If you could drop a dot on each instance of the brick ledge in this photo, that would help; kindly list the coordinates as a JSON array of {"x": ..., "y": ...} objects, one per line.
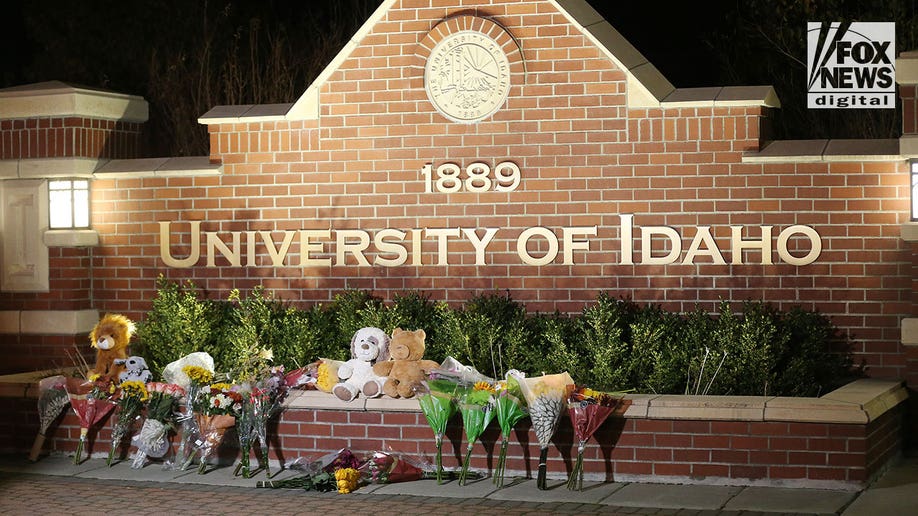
[{"x": 858, "y": 402}]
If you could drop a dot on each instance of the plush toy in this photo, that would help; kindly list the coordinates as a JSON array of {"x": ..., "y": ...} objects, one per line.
[
  {"x": 368, "y": 346},
  {"x": 406, "y": 368},
  {"x": 111, "y": 337},
  {"x": 135, "y": 368}
]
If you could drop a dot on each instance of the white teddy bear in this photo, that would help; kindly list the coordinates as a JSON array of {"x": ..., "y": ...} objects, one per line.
[{"x": 368, "y": 346}]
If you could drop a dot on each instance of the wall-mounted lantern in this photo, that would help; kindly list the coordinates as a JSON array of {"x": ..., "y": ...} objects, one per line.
[{"x": 68, "y": 201}]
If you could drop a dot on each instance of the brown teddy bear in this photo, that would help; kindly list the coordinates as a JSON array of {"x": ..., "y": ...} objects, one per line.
[
  {"x": 111, "y": 337},
  {"x": 406, "y": 368}
]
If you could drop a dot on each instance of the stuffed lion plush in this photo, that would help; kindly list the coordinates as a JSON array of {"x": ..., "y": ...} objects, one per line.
[{"x": 110, "y": 338}]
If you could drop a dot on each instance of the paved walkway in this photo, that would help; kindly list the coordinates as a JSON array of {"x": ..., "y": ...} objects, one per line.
[{"x": 53, "y": 485}]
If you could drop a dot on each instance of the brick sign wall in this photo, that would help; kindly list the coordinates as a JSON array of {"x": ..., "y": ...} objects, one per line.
[{"x": 572, "y": 187}]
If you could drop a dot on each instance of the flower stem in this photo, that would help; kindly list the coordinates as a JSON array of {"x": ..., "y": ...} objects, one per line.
[
  {"x": 79, "y": 452},
  {"x": 575, "y": 482},
  {"x": 501, "y": 464},
  {"x": 111, "y": 456},
  {"x": 77, "y": 458},
  {"x": 266, "y": 460},
  {"x": 439, "y": 461},
  {"x": 463, "y": 476},
  {"x": 541, "y": 481}
]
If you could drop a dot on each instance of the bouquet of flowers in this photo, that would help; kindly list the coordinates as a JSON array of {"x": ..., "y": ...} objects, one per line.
[
  {"x": 131, "y": 399},
  {"x": 267, "y": 401},
  {"x": 588, "y": 410},
  {"x": 321, "y": 474},
  {"x": 347, "y": 480},
  {"x": 263, "y": 389},
  {"x": 546, "y": 397},
  {"x": 245, "y": 430},
  {"x": 215, "y": 410},
  {"x": 438, "y": 406},
  {"x": 91, "y": 402},
  {"x": 476, "y": 406},
  {"x": 509, "y": 410},
  {"x": 52, "y": 400},
  {"x": 387, "y": 468},
  {"x": 198, "y": 376},
  {"x": 153, "y": 438},
  {"x": 327, "y": 374}
]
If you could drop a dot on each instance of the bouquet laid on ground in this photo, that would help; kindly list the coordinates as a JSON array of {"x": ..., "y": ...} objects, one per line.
[
  {"x": 392, "y": 467},
  {"x": 153, "y": 438},
  {"x": 588, "y": 410},
  {"x": 132, "y": 396},
  {"x": 438, "y": 406},
  {"x": 197, "y": 377},
  {"x": 546, "y": 397},
  {"x": 374, "y": 468},
  {"x": 91, "y": 401},
  {"x": 509, "y": 409},
  {"x": 52, "y": 400},
  {"x": 476, "y": 405},
  {"x": 320, "y": 474},
  {"x": 215, "y": 409},
  {"x": 388, "y": 468}
]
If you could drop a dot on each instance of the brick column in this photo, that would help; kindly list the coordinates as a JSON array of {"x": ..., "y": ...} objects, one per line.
[
  {"x": 54, "y": 130},
  {"x": 907, "y": 77}
]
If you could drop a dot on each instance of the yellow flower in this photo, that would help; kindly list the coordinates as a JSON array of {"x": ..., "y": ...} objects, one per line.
[
  {"x": 198, "y": 374},
  {"x": 93, "y": 377},
  {"x": 324, "y": 380},
  {"x": 135, "y": 389},
  {"x": 483, "y": 386},
  {"x": 347, "y": 479},
  {"x": 590, "y": 393},
  {"x": 266, "y": 354}
]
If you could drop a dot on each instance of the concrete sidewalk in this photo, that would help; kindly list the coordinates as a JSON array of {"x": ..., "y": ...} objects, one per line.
[{"x": 895, "y": 493}]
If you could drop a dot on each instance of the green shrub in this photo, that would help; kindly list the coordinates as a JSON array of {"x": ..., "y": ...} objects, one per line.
[
  {"x": 179, "y": 323},
  {"x": 613, "y": 344}
]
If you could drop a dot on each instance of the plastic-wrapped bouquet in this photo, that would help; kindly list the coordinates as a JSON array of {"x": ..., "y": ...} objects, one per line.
[
  {"x": 588, "y": 410},
  {"x": 52, "y": 400},
  {"x": 323, "y": 474},
  {"x": 132, "y": 396},
  {"x": 266, "y": 402},
  {"x": 153, "y": 438},
  {"x": 476, "y": 405},
  {"x": 375, "y": 468},
  {"x": 198, "y": 376},
  {"x": 439, "y": 406},
  {"x": 91, "y": 401},
  {"x": 546, "y": 397},
  {"x": 509, "y": 409},
  {"x": 215, "y": 409}
]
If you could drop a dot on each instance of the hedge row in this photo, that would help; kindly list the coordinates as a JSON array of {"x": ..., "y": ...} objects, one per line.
[{"x": 613, "y": 344}]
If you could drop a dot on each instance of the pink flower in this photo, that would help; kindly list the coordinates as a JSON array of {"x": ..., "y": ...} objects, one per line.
[{"x": 166, "y": 388}]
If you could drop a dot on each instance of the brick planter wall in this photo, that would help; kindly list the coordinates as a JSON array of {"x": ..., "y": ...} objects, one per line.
[{"x": 670, "y": 439}]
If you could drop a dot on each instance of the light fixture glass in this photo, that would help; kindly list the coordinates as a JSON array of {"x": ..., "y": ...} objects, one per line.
[{"x": 69, "y": 203}]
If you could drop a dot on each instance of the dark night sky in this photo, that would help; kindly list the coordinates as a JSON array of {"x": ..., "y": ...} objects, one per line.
[
  {"x": 672, "y": 36},
  {"x": 115, "y": 43}
]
